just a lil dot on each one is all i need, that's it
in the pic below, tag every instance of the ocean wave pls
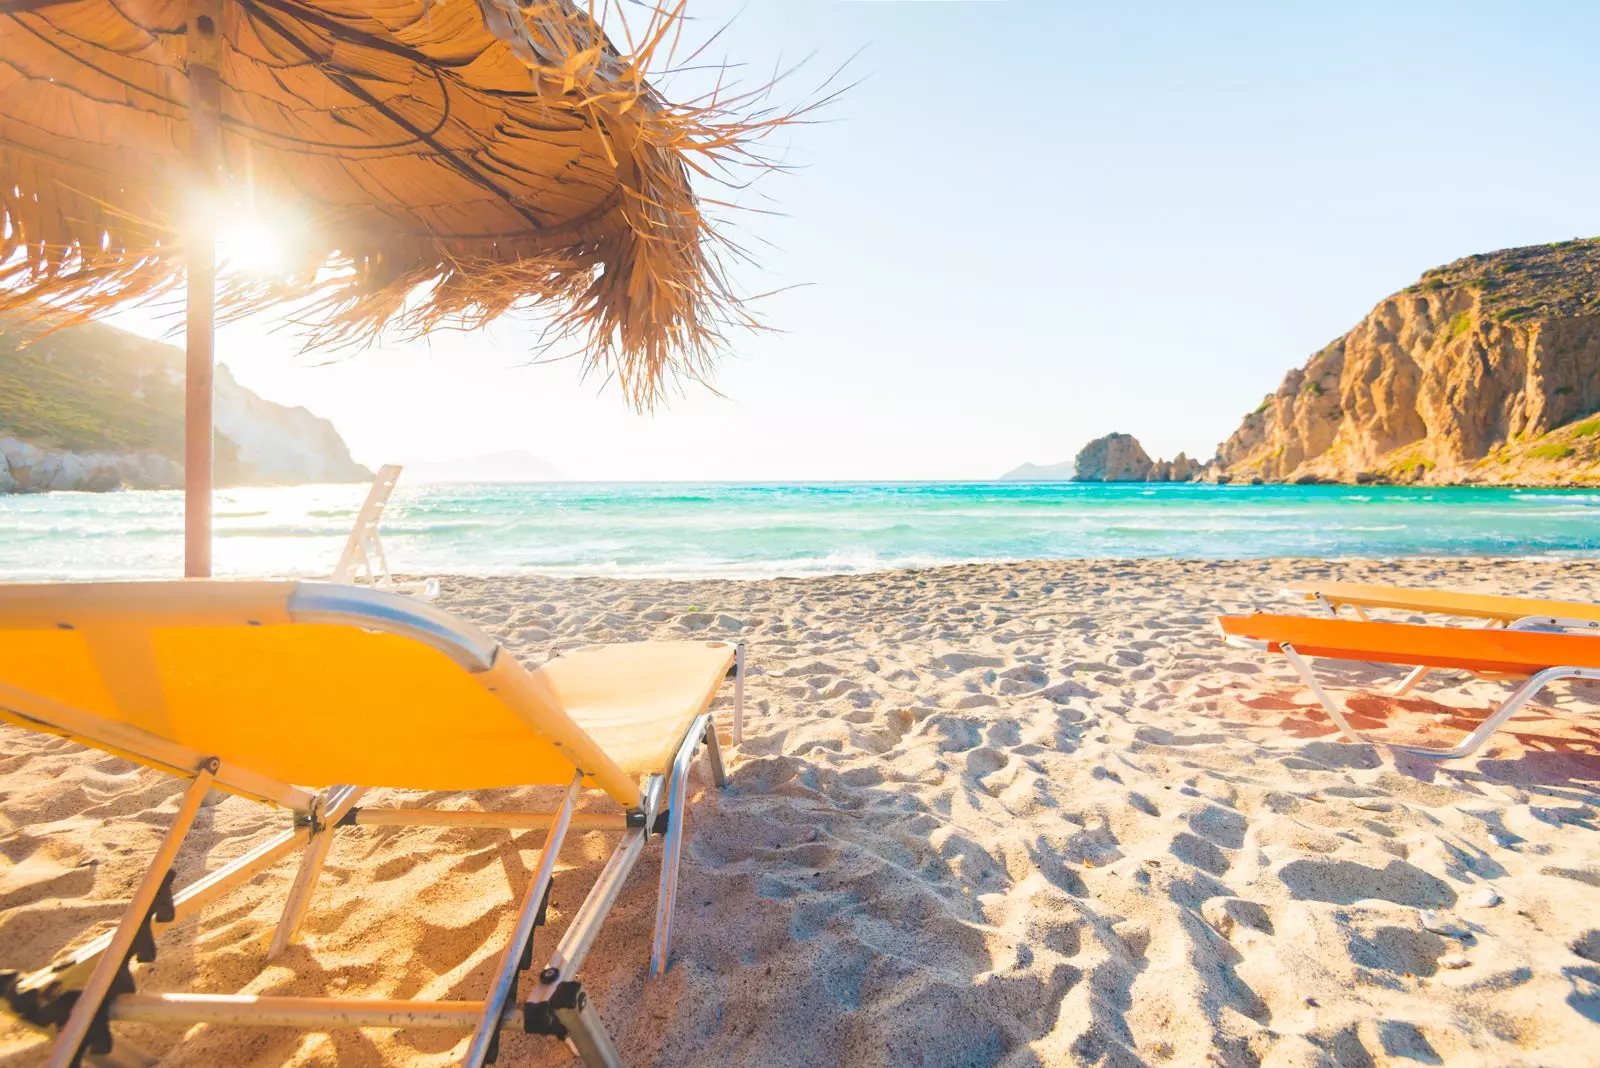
(791, 529)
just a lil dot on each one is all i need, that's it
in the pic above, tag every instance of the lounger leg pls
(329, 811)
(1524, 693)
(719, 770)
(738, 694)
(587, 1033)
(555, 1005)
(1334, 712)
(33, 993)
(677, 816)
(672, 848)
(1332, 608)
(485, 1039)
(75, 1034)
(1409, 683)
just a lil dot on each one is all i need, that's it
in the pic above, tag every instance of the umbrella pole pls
(205, 107)
(200, 345)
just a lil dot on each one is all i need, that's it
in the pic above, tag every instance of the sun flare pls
(250, 246)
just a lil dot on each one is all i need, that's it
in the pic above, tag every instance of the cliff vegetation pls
(96, 408)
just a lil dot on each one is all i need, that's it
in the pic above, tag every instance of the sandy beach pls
(1031, 813)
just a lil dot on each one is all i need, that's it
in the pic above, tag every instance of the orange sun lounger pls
(1539, 656)
(304, 695)
(1496, 610)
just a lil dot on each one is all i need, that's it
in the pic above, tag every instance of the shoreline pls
(1308, 566)
(1022, 813)
(1315, 566)
(1562, 557)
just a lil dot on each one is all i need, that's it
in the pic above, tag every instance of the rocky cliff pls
(96, 408)
(1484, 371)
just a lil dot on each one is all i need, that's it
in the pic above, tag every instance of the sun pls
(251, 247)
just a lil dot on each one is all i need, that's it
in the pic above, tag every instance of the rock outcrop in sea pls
(1113, 458)
(96, 408)
(1487, 370)
(1120, 458)
(1178, 469)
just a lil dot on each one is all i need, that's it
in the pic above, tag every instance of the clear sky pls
(1034, 222)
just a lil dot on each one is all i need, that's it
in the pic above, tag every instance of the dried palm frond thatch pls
(428, 161)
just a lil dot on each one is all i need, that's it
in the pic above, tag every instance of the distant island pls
(1484, 372)
(96, 408)
(1061, 472)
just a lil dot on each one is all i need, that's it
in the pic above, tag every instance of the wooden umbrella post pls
(205, 108)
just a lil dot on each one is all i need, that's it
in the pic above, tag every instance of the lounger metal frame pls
(1530, 688)
(60, 995)
(90, 988)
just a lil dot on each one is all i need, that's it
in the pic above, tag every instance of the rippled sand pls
(994, 814)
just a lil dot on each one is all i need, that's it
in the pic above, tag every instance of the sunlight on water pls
(755, 530)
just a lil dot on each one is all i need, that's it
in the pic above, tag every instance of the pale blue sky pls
(1033, 223)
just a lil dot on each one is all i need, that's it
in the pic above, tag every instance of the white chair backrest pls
(363, 559)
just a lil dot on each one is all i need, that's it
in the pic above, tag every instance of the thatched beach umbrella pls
(422, 161)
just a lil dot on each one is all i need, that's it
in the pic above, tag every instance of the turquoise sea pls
(680, 529)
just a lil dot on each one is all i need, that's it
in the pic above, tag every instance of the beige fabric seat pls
(636, 700)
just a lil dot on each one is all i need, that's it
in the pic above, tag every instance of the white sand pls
(1001, 814)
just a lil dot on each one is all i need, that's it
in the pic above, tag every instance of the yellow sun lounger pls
(1518, 652)
(304, 695)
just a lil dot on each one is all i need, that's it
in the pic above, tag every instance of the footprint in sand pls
(1162, 736)
(1345, 882)
(1199, 853)
(956, 663)
(955, 734)
(1220, 826)
(1403, 951)
(38, 878)
(1587, 945)
(1226, 914)
(985, 760)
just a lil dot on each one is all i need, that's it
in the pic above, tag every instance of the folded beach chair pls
(363, 561)
(303, 695)
(1521, 651)
(1495, 610)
